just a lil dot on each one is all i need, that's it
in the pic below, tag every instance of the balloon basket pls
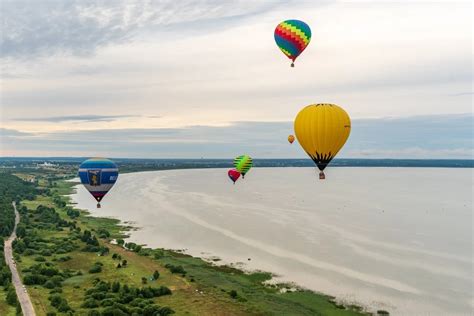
(98, 205)
(322, 176)
(293, 65)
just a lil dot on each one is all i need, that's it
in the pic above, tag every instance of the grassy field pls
(5, 309)
(185, 293)
(205, 289)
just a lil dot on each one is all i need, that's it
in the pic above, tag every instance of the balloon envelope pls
(98, 175)
(292, 37)
(291, 139)
(233, 174)
(243, 164)
(322, 130)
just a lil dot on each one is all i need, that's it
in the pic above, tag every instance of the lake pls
(398, 239)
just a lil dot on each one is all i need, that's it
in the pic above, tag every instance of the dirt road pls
(23, 297)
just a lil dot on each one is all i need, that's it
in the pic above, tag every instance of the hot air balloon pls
(291, 139)
(233, 174)
(98, 175)
(292, 37)
(322, 130)
(243, 164)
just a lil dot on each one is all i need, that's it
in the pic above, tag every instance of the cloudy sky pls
(184, 79)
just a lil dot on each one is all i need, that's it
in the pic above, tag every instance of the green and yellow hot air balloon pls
(243, 164)
(322, 129)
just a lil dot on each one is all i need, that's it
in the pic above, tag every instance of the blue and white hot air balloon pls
(98, 175)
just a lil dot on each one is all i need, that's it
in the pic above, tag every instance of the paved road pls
(23, 297)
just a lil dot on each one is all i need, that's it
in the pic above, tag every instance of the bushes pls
(130, 245)
(21, 231)
(5, 274)
(96, 268)
(34, 279)
(116, 287)
(160, 291)
(11, 297)
(45, 274)
(158, 254)
(90, 303)
(64, 258)
(103, 233)
(89, 239)
(175, 269)
(59, 303)
(72, 213)
(233, 293)
(117, 299)
(46, 253)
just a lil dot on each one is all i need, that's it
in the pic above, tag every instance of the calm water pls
(398, 239)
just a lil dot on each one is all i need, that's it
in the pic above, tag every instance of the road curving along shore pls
(21, 292)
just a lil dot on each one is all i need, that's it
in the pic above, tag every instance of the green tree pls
(21, 231)
(11, 297)
(233, 294)
(116, 286)
(96, 268)
(64, 307)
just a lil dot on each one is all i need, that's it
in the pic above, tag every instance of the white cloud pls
(445, 136)
(214, 63)
(41, 28)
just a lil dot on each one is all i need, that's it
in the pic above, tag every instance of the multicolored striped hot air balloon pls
(243, 164)
(98, 175)
(292, 37)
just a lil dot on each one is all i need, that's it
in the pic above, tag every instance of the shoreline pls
(273, 280)
(302, 242)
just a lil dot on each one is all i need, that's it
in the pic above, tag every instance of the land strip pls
(21, 292)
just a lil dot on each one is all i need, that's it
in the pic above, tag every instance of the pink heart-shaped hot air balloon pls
(233, 174)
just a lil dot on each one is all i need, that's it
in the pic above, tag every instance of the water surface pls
(398, 239)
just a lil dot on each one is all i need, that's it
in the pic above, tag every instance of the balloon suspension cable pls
(98, 205)
(322, 176)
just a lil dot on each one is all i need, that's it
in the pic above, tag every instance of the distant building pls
(46, 165)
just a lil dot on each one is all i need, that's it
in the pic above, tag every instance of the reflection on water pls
(398, 239)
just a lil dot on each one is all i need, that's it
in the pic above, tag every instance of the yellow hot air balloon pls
(291, 139)
(322, 129)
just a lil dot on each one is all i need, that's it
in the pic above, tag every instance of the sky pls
(192, 79)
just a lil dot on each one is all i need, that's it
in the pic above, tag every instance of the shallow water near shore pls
(398, 239)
